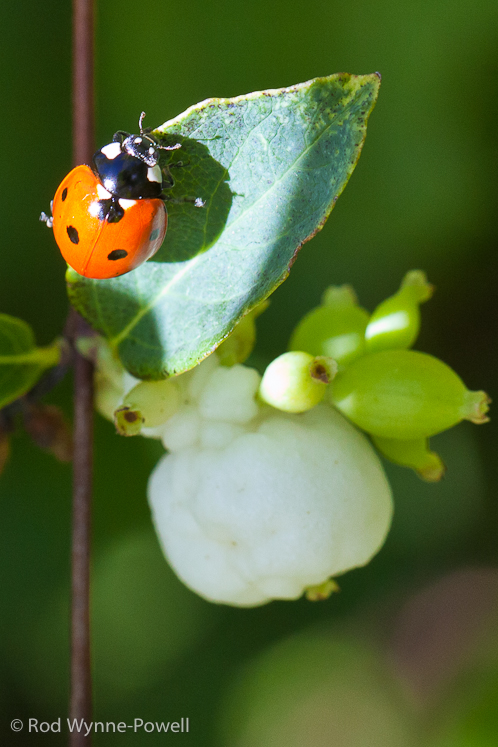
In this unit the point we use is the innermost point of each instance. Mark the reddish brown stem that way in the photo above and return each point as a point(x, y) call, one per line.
point(83, 105)
point(83, 146)
point(81, 686)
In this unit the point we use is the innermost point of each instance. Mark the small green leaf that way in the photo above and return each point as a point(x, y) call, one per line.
point(21, 362)
point(269, 167)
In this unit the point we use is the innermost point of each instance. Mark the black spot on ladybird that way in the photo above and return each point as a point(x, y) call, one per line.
point(117, 254)
point(109, 210)
point(154, 234)
point(64, 194)
point(73, 234)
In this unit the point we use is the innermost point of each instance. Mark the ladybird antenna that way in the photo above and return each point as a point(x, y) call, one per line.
point(140, 120)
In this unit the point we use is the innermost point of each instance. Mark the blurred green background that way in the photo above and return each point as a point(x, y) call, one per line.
point(407, 653)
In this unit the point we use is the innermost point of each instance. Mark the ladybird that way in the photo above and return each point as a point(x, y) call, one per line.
point(110, 217)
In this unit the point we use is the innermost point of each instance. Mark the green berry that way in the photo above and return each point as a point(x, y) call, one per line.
point(413, 453)
point(403, 394)
point(148, 405)
point(296, 381)
point(335, 329)
point(395, 323)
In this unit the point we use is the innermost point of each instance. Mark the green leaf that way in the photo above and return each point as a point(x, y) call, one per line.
point(270, 166)
point(21, 362)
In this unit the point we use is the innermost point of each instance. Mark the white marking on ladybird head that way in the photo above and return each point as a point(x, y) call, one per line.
point(111, 151)
point(137, 140)
point(151, 150)
point(125, 204)
point(154, 174)
point(103, 193)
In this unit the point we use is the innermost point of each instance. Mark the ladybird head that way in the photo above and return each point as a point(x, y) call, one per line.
point(143, 146)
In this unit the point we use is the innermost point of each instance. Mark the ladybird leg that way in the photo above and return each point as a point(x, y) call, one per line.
point(168, 176)
point(196, 201)
point(48, 219)
point(119, 136)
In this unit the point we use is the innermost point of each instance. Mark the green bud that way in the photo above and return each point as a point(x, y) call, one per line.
point(296, 381)
point(403, 394)
point(335, 329)
point(240, 342)
point(148, 405)
point(413, 453)
point(321, 591)
point(395, 323)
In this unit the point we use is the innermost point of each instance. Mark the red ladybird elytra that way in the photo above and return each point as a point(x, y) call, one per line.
point(94, 238)
point(110, 218)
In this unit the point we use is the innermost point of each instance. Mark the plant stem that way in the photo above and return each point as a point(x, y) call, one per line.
point(83, 145)
point(81, 685)
point(83, 106)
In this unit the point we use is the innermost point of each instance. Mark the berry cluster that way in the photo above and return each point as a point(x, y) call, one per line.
point(266, 490)
point(400, 397)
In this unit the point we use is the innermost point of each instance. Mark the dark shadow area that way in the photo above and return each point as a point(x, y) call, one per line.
point(196, 175)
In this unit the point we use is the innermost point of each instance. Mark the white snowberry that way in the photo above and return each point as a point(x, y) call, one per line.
point(253, 505)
